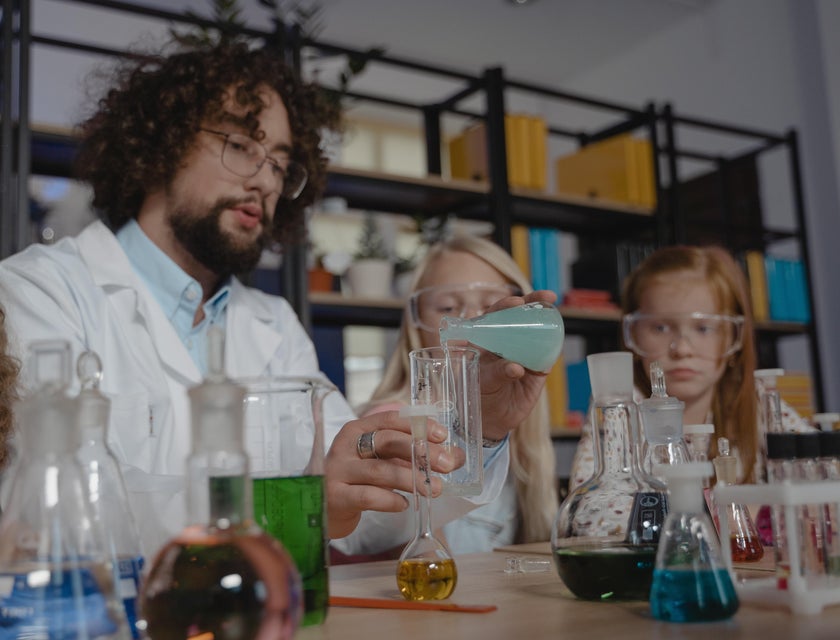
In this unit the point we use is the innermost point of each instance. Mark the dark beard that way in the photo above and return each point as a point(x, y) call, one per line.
point(203, 238)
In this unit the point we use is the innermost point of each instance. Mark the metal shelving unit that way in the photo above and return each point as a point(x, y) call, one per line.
point(50, 152)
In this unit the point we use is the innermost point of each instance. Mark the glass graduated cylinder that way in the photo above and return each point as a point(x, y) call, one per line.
point(530, 334)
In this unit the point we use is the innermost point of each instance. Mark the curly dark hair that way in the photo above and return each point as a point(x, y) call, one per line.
point(9, 369)
point(146, 123)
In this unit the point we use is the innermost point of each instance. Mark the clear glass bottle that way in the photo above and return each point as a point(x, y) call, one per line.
point(106, 488)
point(605, 536)
point(531, 334)
point(53, 559)
point(744, 541)
point(222, 576)
point(690, 581)
point(662, 422)
point(426, 569)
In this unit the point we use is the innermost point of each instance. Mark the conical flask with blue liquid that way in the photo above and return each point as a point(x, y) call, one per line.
point(53, 559)
point(530, 334)
point(690, 581)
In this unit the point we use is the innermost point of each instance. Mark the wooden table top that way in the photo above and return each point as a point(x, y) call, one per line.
point(536, 605)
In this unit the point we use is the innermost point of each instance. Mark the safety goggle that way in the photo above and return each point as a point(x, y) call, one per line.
point(710, 335)
point(464, 300)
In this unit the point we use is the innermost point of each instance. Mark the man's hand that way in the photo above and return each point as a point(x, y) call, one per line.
point(356, 484)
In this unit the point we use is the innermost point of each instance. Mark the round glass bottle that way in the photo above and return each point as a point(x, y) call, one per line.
point(222, 576)
point(605, 536)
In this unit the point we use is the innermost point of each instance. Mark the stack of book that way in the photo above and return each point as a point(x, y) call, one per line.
point(526, 139)
point(618, 169)
point(595, 299)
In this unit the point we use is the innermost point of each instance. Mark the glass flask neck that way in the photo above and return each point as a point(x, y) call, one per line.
point(612, 429)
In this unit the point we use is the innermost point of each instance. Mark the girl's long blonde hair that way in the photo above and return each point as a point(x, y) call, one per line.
point(734, 404)
point(532, 453)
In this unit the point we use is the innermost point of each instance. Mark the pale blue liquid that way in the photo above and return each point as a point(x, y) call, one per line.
point(692, 596)
point(531, 335)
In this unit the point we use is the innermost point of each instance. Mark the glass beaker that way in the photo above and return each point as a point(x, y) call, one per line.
point(54, 566)
point(222, 576)
point(690, 582)
point(426, 569)
point(284, 437)
point(605, 536)
point(530, 334)
point(448, 380)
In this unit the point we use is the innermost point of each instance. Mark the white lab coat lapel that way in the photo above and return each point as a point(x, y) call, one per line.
point(252, 335)
point(112, 271)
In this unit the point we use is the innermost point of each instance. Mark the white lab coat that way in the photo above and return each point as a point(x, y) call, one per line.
point(84, 290)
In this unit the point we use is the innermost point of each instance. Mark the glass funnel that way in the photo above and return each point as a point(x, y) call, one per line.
point(605, 536)
point(426, 569)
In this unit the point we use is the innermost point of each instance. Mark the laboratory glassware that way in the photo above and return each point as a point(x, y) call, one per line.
point(530, 334)
point(662, 422)
point(106, 488)
point(744, 541)
point(690, 582)
point(605, 535)
point(222, 575)
point(53, 561)
point(426, 569)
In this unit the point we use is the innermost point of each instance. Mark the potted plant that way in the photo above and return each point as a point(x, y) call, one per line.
point(371, 271)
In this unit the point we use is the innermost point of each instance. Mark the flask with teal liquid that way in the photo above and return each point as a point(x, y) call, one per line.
point(690, 581)
point(530, 334)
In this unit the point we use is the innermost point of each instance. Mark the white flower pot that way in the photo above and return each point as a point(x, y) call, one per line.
point(370, 278)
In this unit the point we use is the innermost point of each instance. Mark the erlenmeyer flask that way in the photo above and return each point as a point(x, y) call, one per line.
point(744, 540)
point(530, 334)
point(426, 569)
point(662, 421)
point(106, 489)
point(606, 532)
point(690, 582)
point(222, 576)
point(58, 577)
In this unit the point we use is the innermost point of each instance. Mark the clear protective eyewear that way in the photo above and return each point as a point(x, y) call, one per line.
point(462, 300)
point(651, 335)
point(244, 157)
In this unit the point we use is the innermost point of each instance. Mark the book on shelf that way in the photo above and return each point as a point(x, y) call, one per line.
point(545, 259)
point(796, 389)
point(526, 142)
point(757, 278)
point(787, 289)
point(557, 390)
point(596, 299)
point(519, 242)
point(618, 169)
point(605, 266)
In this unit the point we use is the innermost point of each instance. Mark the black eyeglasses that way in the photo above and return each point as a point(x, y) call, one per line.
point(245, 156)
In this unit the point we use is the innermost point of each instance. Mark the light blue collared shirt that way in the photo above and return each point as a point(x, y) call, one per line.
point(178, 294)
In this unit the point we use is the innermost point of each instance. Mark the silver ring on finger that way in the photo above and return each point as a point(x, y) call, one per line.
point(366, 446)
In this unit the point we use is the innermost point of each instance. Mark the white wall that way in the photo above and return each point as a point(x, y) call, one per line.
point(756, 63)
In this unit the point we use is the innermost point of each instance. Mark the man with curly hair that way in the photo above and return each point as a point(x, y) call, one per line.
point(197, 160)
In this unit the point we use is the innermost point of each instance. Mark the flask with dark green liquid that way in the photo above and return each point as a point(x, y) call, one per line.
point(607, 529)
